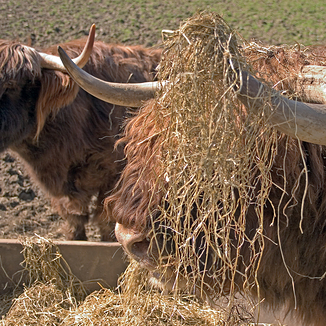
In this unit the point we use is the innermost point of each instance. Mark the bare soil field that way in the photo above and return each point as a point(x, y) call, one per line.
point(24, 207)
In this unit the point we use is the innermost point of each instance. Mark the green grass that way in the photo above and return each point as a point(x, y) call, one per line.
point(48, 22)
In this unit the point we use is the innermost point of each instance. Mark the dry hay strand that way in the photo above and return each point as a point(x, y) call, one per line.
point(7, 299)
point(50, 288)
point(44, 263)
point(135, 305)
point(41, 304)
point(215, 163)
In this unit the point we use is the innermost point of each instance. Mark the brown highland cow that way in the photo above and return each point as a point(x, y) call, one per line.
point(65, 136)
point(290, 270)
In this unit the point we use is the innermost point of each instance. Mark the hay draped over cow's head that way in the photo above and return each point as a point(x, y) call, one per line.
point(215, 162)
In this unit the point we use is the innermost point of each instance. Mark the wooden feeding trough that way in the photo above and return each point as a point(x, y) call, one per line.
point(96, 264)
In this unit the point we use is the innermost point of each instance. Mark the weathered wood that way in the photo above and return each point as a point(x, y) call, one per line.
point(311, 84)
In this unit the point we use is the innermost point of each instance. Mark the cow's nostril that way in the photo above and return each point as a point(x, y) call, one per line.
point(140, 249)
point(133, 242)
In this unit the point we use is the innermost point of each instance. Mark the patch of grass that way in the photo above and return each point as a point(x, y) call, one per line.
point(141, 22)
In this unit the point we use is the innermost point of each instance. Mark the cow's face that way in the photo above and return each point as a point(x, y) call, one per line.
point(18, 100)
point(154, 251)
point(182, 260)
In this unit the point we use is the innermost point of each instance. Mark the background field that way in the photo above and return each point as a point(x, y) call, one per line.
point(138, 21)
point(23, 207)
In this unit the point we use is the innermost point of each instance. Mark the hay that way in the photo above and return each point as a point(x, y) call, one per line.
point(45, 264)
point(216, 162)
point(55, 303)
point(132, 305)
point(41, 304)
point(7, 299)
point(50, 288)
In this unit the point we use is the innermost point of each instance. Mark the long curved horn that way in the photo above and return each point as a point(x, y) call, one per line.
point(124, 94)
point(305, 121)
point(53, 62)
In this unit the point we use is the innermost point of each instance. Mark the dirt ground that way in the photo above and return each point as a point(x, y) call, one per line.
point(25, 209)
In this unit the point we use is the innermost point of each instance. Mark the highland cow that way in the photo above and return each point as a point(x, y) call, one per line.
point(65, 136)
point(291, 267)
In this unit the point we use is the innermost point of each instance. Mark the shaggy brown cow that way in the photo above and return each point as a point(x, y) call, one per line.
point(292, 265)
point(65, 136)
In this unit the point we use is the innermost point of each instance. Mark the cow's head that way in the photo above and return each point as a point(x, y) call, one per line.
point(146, 223)
point(32, 84)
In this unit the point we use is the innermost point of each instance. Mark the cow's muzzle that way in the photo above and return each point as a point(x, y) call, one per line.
point(135, 245)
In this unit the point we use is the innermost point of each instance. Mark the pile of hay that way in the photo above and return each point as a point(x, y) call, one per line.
point(50, 290)
point(214, 153)
point(53, 296)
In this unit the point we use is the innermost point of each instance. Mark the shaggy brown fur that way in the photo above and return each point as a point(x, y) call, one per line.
point(298, 277)
point(66, 136)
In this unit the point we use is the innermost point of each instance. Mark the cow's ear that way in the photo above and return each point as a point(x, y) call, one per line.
point(57, 91)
